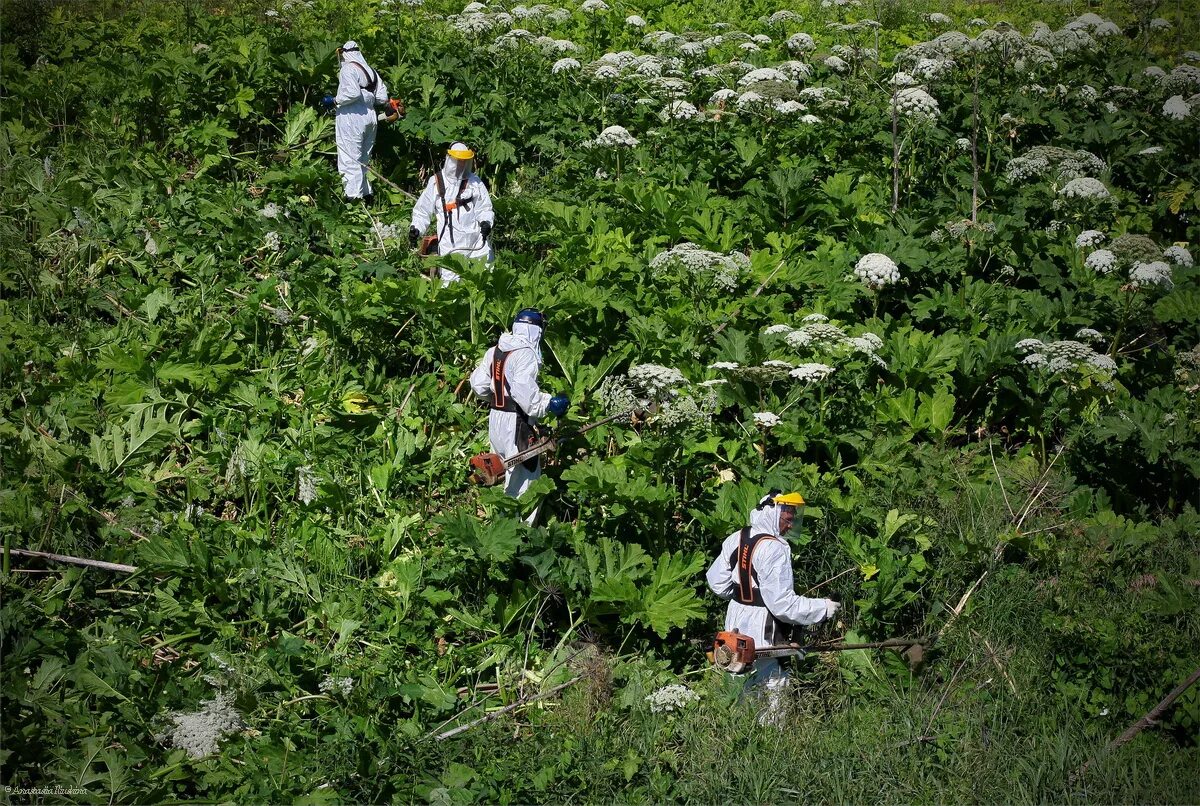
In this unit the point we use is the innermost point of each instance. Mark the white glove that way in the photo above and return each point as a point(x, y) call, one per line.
point(831, 608)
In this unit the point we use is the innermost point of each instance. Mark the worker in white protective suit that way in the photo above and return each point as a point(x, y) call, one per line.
point(360, 90)
point(507, 378)
point(754, 571)
point(460, 201)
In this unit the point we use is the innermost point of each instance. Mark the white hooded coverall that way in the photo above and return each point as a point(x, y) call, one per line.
point(772, 562)
point(356, 121)
point(521, 371)
point(458, 228)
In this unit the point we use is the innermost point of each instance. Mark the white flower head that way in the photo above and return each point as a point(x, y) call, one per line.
point(762, 74)
point(795, 70)
point(199, 733)
point(336, 685)
point(1090, 238)
point(800, 43)
point(721, 270)
point(915, 103)
point(1179, 255)
point(1101, 261)
point(1029, 346)
point(1176, 108)
point(1089, 335)
point(306, 484)
point(766, 419)
point(269, 210)
point(727, 366)
point(679, 110)
point(750, 100)
point(671, 698)
point(563, 65)
point(593, 6)
point(1155, 274)
point(655, 378)
point(634, 21)
point(615, 137)
point(876, 270)
point(1084, 187)
point(811, 373)
point(836, 64)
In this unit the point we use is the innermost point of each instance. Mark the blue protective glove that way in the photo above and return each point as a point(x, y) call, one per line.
point(558, 405)
point(328, 102)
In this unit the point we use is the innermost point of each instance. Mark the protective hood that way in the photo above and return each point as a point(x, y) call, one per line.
point(453, 168)
point(523, 335)
point(765, 520)
point(350, 45)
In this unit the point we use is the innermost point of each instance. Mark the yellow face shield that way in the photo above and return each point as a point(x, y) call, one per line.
point(791, 512)
point(461, 153)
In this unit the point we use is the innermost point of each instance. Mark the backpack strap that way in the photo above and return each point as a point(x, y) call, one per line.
point(501, 396)
point(742, 562)
point(370, 75)
point(447, 209)
point(502, 400)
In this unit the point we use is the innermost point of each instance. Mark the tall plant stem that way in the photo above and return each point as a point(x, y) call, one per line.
point(895, 157)
point(974, 148)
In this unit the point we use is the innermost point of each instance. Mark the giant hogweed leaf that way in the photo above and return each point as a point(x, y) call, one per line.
point(611, 561)
point(494, 542)
point(1181, 305)
point(295, 130)
point(147, 428)
point(289, 572)
point(668, 599)
point(498, 541)
point(162, 553)
point(918, 357)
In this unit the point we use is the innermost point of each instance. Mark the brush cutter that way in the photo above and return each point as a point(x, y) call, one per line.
point(735, 652)
point(488, 469)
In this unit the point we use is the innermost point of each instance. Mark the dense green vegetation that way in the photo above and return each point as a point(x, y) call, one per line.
point(214, 369)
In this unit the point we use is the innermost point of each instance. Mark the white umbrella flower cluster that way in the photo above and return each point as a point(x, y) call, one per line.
point(614, 137)
point(1153, 274)
point(1084, 187)
point(721, 270)
point(916, 104)
point(1056, 357)
point(876, 270)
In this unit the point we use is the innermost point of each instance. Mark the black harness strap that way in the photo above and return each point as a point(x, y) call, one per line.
point(448, 209)
point(502, 400)
point(742, 562)
point(371, 76)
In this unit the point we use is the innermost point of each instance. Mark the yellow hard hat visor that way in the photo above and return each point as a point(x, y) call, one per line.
point(791, 504)
point(460, 153)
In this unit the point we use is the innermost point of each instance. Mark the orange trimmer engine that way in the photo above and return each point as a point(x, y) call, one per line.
point(488, 469)
point(733, 651)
